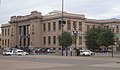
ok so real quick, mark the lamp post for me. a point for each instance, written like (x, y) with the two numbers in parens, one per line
(62, 22)
(75, 32)
(112, 29)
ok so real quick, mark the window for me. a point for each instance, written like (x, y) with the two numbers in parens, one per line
(117, 28)
(20, 41)
(8, 32)
(12, 32)
(59, 25)
(49, 27)
(24, 29)
(54, 25)
(3, 42)
(54, 39)
(44, 27)
(106, 26)
(68, 25)
(94, 26)
(80, 40)
(88, 27)
(24, 42)
(44, 40)
(99, 26)
(74, 25)
(8, 42)
(80, 26)
(5, 32)
(49, 40)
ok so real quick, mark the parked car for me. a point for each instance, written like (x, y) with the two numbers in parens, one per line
(7, 52)
(50, 51)
(86, 52)
(20, 52)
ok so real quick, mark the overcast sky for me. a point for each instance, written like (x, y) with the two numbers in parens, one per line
(93, 9)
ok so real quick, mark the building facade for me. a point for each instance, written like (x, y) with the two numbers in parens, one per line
(38, 31)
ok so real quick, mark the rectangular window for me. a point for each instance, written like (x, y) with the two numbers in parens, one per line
(80, 26)
(24, 42)
(20, 41)
(54, 39)
(8, 32)
(5, 32)
(12, 32)
(106, 26)
(88, 27)
(93, 26)
(117, 28)
(2, 32)
(44, 40)
(80, 40)
(54, 26)
(28, 41)
(3, 42)
(24, 29)
(8, 42)
(74, 25)
(49, 40)
(68, 25)
(99, 26)
(49, 26)
(59, 25)
(44, 27)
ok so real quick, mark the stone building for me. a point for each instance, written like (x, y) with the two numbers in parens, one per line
(36, 30)
(0, 40)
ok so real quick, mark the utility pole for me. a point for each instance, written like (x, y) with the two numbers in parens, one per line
(62, 22)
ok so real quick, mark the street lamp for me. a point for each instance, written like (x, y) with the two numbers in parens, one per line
(62, 22)
(75, 32)
(112, 29)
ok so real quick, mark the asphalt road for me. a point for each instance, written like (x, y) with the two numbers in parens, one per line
(46, 62)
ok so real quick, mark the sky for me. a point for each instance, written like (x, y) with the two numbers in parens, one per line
(92, 9)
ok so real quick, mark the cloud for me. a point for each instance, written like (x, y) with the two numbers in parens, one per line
(98, 9)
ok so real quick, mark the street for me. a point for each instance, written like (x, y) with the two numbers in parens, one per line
(46, 62)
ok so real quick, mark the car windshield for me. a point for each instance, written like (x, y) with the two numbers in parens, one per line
(20, 51)
(8, 50)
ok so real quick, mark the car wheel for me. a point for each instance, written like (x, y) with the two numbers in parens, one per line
(83, 54)
(19, 55)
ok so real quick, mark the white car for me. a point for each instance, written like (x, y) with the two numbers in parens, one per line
(7, 52)
(86, 52)
(20, 52)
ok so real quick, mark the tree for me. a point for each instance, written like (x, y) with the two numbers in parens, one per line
(106, 38)
(65, 39)
(96, 37)
(91, 38)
